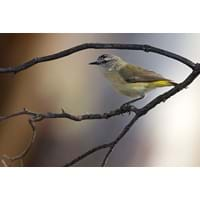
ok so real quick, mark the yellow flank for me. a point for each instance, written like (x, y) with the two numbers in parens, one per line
(136, 89)
(162, 83)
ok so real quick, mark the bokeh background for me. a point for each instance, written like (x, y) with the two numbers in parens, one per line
(169, 135)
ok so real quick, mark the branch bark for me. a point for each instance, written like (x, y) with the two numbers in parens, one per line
(67, 52)
(138, 112)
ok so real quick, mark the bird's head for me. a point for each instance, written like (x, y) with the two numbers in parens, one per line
(108, 62)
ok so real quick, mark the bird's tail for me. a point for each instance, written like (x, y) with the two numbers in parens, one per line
(174, 83)
(163, 83)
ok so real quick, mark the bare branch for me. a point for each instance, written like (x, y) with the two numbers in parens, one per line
(105, 160)
(67, 52)
(4, 163)
(37, 117)
(27, 149)
(138, 112)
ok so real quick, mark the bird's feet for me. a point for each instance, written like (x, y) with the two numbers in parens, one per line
(125, 107)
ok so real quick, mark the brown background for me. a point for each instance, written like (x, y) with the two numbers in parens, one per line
(167, 136)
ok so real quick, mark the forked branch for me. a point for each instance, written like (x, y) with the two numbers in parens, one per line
(138, 112)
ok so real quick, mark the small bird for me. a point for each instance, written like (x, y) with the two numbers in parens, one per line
(128, 79)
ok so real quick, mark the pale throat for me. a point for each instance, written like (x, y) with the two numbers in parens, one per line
(116, 66)
(112, 74)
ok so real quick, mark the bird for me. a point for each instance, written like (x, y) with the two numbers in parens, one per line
(129, 79)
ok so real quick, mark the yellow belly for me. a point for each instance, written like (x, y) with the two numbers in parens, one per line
(132, 89)
(138, 89)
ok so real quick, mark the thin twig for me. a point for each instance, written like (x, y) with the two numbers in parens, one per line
(139, 113)
(28, 147)
(37, 117)
(4, 163)
(105, 160)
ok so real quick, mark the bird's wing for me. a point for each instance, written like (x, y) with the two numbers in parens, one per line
(132, 74)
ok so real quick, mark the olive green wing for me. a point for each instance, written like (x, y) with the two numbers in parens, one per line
(132, 74)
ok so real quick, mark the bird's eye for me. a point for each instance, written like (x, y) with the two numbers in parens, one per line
(103, 57)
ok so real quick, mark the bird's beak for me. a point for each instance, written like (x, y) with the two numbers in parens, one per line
(94, 63)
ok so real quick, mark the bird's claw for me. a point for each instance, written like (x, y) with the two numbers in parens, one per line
(126, 107)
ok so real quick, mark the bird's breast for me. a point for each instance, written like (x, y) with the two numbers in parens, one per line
(128, 89)
(114, 77)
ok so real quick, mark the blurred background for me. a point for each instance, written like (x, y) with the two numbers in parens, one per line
(167, 136)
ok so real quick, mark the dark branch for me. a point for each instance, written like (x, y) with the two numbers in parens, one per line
(37, 117)
(81, 47)
(139, 112)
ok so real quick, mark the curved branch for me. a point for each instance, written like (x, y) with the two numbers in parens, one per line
(139, 112)
(140, 47)
(37, 117)
(28, 147)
